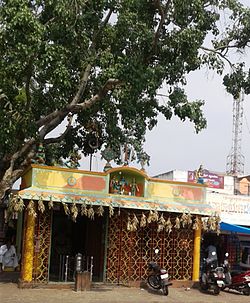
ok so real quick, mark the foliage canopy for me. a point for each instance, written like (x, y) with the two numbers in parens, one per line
(99, 64)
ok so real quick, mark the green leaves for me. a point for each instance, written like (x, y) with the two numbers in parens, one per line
(55, 53)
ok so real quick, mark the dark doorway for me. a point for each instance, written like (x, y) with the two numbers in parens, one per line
(84, 236)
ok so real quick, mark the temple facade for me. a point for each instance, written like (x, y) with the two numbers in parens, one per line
(114, 219)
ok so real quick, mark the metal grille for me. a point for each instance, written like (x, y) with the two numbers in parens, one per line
(130, 252)
(42, 246)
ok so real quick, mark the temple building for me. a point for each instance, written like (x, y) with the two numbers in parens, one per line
(114, 219)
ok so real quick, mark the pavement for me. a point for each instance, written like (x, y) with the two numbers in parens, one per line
(10, 293)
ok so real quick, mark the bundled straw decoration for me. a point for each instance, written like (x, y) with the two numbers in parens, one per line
(177, 223)
(18, 205)
(212, 223)
(150, 216)
(100, 211)
(143, 221)
(186, 219)
(168, 225)
(135, 223)
(196, 224)
(12, 202)
(50, 204)
(155, 216)
(84, 211)
(217, 222)
(111, 210)
(91, 212)
(74, 212)
(31, 209)
(129, 224)
(66, 208)
(41, 206)
(161, 224)
(204, 224)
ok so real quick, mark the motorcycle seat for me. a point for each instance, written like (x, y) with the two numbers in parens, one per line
(237, 272)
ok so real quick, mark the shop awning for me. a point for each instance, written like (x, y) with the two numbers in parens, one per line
(234, 228)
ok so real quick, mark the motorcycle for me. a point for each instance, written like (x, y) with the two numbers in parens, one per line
(237, 280)
(213, 277)
(158, 277)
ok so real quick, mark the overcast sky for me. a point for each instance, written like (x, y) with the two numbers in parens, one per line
(175, 145)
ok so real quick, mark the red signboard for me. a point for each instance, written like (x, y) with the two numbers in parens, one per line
(210, 179)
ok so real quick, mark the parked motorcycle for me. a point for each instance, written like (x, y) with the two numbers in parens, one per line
(213, 277)
(158, 278)
(237, 280)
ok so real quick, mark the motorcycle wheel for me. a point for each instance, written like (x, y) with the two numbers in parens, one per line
(203, 286)
(216, 290)
(165, 290)
(154, 282)
(246, 290)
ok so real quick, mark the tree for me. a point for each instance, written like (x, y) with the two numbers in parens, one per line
(98, 65)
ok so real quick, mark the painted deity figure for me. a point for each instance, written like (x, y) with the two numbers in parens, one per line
(114, 185)
(134, 188)
(122, 184)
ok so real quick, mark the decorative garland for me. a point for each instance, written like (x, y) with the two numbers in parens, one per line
(212, 223)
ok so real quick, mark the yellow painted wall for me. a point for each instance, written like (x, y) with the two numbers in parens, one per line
(175, 190)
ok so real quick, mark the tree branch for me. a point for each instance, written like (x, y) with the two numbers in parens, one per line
(83, 84)
(55, 118)
(108, 86)
(218, 53)
(62, 136)
(162, 12)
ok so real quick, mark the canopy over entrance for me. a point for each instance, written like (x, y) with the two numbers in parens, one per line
(234, 228)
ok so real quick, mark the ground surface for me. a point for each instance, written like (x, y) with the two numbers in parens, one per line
(10, 293)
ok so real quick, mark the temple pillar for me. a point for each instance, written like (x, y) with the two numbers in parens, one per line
(28, 249)
(196, 255)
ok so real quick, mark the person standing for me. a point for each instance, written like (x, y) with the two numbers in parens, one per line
(8, 256)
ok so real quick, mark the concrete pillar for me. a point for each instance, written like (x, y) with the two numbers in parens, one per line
(196, 256)
(28, 249)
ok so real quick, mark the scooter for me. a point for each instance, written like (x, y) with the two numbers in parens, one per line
(158, 278)
(213, 277)
(237, 280)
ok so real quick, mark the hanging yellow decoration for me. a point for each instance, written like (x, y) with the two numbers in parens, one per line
(31, 209)
(196, 224)
(100, 211)
(74, 212)
(19, 205)
(111, 210)
(84, 211)
(150, 216)
(66, 208)
(155, 216)
(177, 223)
(129, 224)
(186, 219)
(169, 225)
(50, 204)
(161, 223)
(91, 213)
(143, 221)
(189, 218)
(135, 222)
(41, 206)
(204, 224)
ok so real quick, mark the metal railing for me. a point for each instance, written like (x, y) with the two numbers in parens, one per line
(67, 267)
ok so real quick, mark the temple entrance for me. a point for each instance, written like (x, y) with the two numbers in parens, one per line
(84, 236)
